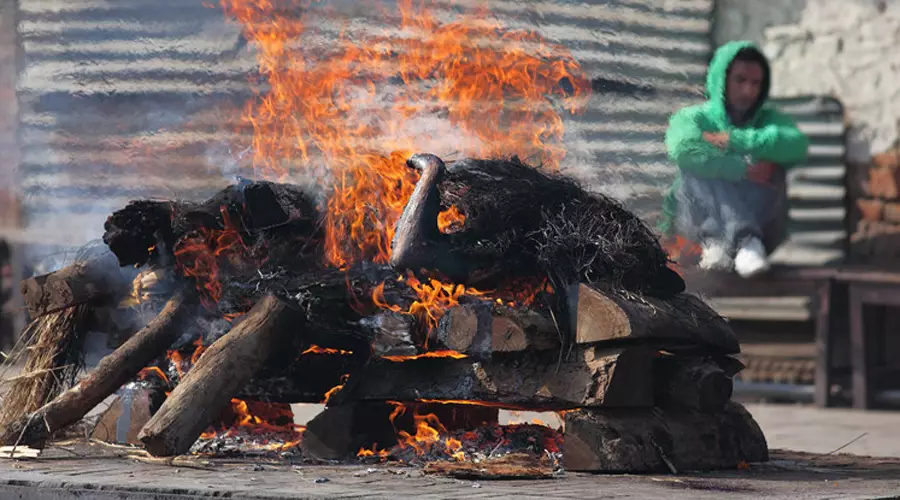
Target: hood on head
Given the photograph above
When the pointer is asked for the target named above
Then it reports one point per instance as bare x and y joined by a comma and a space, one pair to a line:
718, 72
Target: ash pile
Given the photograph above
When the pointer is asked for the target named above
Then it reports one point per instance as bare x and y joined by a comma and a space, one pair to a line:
506, 287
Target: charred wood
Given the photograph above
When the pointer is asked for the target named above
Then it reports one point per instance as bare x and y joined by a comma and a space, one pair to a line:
587, 376
645, 440
113, 370
220, 373
683, 321
697, 384
484, 328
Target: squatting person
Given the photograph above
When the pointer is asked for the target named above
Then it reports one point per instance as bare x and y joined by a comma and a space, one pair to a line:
732, 152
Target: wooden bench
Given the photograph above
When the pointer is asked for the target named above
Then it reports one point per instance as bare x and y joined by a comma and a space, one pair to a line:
858, 288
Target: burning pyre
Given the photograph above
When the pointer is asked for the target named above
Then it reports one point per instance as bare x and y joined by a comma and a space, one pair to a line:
362, 270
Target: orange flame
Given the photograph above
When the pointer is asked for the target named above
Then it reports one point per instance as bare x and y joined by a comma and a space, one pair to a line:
350, 109
429, 354
200, 257
314, 349
434, 298
155, 371
334, 390
451, 220
682, 251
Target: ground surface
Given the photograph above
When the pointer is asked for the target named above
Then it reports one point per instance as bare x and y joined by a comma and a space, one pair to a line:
788, 476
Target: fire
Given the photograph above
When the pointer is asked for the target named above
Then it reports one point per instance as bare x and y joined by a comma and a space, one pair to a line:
259, 419
434, 298
202, 256
155, 371
682, 251
314, 349
429, 354
451, 220
353, 109
334, 390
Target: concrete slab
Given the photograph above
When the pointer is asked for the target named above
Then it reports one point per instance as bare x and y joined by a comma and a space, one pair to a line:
815, 430
789, 476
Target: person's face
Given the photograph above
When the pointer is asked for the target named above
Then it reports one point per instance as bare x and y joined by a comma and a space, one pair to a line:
743, 85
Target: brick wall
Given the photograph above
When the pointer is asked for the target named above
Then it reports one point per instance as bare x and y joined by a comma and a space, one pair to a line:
875, 209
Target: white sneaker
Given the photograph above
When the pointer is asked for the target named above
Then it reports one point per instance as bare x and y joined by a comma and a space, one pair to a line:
715, 256
751, 258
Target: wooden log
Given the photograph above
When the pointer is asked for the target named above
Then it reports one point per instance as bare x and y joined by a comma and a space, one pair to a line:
80, 283
112, 371
225, 368
697, 384
306, 380
589, 376
484, 328
642, 440
682, 321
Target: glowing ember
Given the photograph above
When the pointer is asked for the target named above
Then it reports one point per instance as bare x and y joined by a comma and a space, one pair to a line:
334, 390
429, 354
429, 439
314, 349
682, 251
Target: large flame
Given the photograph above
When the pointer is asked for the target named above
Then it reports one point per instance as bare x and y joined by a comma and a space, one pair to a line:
353, 109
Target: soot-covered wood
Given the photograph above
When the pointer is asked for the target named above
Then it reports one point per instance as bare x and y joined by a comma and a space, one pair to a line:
680, 322
278, 224
535, 380
521, 221
652, 440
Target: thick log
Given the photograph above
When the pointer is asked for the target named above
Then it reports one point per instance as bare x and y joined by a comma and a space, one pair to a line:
679, 322
222, 371
485, 328
588, 376
697, 384
87, 281
635, 441
113, 370
306, 380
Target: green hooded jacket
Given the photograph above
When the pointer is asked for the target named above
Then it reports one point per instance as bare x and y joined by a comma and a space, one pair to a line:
768, 135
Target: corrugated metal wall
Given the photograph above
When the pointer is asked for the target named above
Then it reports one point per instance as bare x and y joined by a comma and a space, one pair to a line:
816, 189
130, 98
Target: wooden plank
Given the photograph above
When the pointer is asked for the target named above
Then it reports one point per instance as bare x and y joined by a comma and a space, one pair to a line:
589, 376
684, 319
764, 308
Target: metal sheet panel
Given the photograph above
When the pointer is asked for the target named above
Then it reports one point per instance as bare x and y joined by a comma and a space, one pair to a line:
817, 190
137, 98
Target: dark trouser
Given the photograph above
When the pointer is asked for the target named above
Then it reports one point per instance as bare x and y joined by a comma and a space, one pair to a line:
731, 211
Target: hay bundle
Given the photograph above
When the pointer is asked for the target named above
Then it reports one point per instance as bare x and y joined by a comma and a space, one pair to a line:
50, 354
